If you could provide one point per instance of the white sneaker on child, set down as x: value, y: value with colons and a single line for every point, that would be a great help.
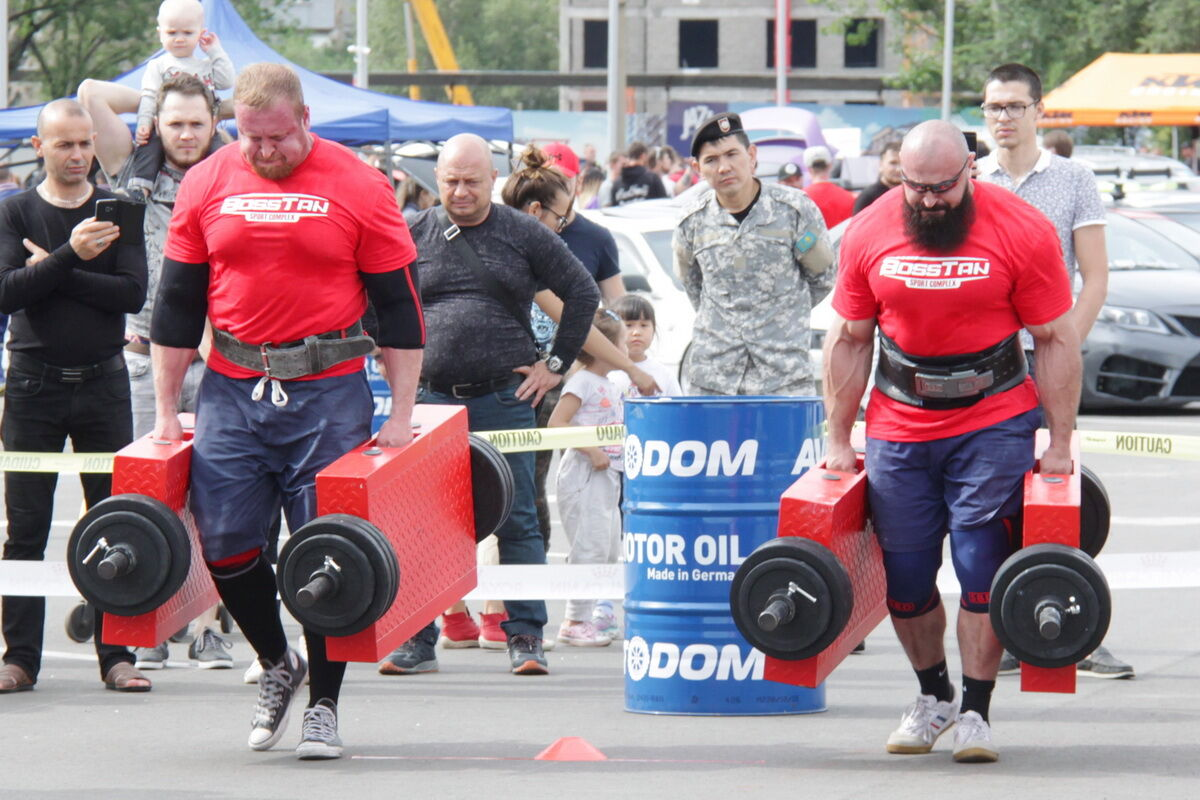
x: 582, y: 634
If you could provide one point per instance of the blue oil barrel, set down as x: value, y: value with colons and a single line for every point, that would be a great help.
x: 703, y: 479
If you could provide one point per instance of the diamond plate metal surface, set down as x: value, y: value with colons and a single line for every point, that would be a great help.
x: 1051, y: 515
x: 834, y: 514
x: 420, y: 497
x: 161, y: 471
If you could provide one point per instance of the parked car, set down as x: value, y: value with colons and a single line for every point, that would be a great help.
x: 1144, y: 349
x: 1180, y: 206
x: 643, y: 234
x: 1125, y: 165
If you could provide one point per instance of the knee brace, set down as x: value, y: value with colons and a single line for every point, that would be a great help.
x: 234, y: 565
x: 912, y: 582
x: 977, y: 553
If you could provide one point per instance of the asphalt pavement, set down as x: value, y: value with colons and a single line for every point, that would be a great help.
x: 473, y: 730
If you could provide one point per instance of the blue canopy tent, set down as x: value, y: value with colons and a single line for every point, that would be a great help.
x: 339, y: 112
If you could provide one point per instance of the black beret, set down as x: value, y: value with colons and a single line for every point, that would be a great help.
x: 718, y: 126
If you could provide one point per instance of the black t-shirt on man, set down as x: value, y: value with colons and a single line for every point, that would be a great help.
x: 66, y: 312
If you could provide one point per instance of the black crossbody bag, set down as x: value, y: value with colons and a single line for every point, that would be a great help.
x: 453, y: 234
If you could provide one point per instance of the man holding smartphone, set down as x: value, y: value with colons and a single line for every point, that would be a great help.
x: 68, y: 280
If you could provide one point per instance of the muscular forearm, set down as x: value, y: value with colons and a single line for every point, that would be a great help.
x: 170, y: 367
x: 403, y: 370
x: 1058, y: 379
x: 846, y: 368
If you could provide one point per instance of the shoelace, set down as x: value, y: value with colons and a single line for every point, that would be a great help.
x: 525, y: 641
x: 972, y: 727
x: 278, y: 395
x: 211, y: 639
x: 919, y: 714
x: 320, y: 724
x: 271, y: 687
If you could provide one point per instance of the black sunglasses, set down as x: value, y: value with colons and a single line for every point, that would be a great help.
x: 936, y: 188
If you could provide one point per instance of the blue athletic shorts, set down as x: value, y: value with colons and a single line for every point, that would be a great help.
x: 919, y: 490
x: 250, y: 457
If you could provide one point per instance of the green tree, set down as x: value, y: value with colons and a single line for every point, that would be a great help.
x: 492, y: 35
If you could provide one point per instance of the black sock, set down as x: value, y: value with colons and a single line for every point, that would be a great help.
x: 325, y: 676
x: 248, y: 593
x: 936, y: 681
x: 977, y: 696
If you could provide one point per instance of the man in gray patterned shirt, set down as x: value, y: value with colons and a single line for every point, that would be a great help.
x: 754, y: 259
x: 1066, y: 193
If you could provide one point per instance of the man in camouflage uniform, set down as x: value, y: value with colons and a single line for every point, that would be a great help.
x: 754, y: 259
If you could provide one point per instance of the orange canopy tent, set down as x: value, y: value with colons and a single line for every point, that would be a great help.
x: 1129, y: 89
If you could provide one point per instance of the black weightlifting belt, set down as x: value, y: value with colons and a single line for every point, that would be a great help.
x: 290, y: 360
x: 945, y: 382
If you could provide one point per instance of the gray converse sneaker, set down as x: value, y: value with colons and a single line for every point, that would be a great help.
x: 1102, y: 664
x: 150, y: 657
x: 319, y: 737
x: 276, y: 688
x: 210, y: 650
x: 973, y: 740
x: 923, y: 722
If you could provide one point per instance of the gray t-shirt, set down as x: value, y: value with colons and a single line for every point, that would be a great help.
x: 1064, y: 190
x: 154, y: 230
x: 471, y: 336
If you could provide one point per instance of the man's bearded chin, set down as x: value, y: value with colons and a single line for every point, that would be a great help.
x: 939, y: 232
x: 274, y: 171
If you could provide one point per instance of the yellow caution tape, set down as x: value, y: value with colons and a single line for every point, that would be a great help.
x: 1152, y: 445
x: 63, y: 463
x: 523, y: 441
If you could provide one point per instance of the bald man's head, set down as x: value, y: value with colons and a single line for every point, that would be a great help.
x: 465, y: 177
x: 65, y: 141
x: 57, y: 110
x: 935, y: 164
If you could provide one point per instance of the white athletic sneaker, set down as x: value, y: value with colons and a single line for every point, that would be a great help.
x: 973, y: 739
x: 923, y: 722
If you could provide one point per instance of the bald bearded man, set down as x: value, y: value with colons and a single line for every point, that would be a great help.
x: 949, y: 270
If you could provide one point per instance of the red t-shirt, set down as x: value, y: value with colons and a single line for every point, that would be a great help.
x: 836, y: 203
x: 1008, y: 274
x: 284, y: 256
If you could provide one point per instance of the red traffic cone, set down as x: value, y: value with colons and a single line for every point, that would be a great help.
x: 571, y: 748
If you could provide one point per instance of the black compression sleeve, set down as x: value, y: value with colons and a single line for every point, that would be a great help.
x: 401, y: 324
x: 181, y: 305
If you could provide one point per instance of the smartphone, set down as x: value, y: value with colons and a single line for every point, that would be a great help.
x: 106, y: 210
x: 972, y: 141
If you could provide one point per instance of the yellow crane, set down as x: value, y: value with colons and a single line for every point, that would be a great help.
x: 439, y: 47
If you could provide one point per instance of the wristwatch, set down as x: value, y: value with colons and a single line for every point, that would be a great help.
x: 555, y: 364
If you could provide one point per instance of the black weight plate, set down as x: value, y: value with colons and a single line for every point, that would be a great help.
x: 814, y: 569
x: 341, y: 612
x: 81, y: 622
x: 376, y: 541
x: 1095, y: 513
x: 492, y: 486
x: 1055, y: 572
x: 373, y: 540
x: 158, y: 539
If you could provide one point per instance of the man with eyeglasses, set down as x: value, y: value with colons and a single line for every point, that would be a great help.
x: 1066, y: 193
x: 754, y: 259
x: 948, y: 270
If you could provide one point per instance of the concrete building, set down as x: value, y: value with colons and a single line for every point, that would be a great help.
x: 684, y: 42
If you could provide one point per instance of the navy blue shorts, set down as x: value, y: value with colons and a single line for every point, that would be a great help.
x: 919, y: 490
x: 249, y: 457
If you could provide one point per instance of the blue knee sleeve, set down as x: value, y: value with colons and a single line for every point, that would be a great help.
x: 977, y: 553
x: 912, y: 581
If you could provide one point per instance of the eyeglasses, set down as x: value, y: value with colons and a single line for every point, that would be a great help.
x: 936, y: 188
x: 562, y: 220
x: 1015, y: 110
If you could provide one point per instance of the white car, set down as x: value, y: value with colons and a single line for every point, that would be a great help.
x: 643, y: 233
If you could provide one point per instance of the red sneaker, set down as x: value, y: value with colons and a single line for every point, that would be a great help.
x: 491, y: 635
x: 459, y: 630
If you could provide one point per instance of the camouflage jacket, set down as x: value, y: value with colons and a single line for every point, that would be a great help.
x: 751, y: 291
